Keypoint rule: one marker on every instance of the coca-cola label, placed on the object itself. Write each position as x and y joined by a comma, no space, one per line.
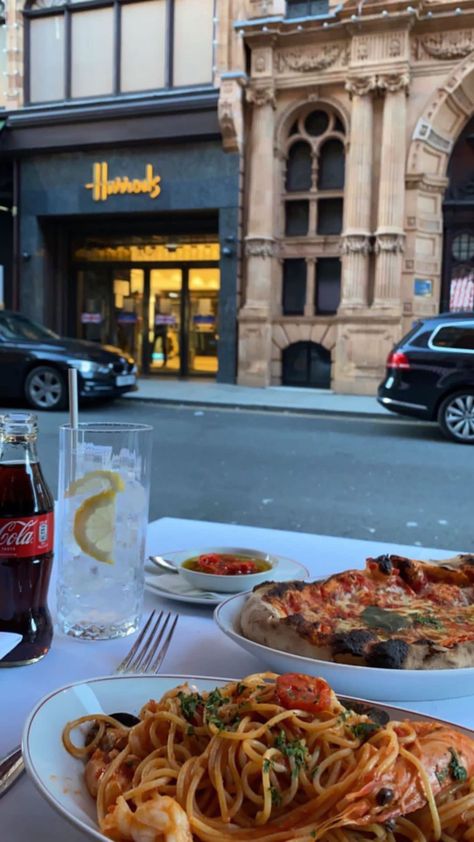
27,536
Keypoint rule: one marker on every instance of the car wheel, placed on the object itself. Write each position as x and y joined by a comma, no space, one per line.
456,417
45,388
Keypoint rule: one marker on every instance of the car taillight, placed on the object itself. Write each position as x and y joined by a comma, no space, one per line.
396,359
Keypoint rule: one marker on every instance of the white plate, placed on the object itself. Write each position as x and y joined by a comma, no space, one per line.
58,776
369,682
287,569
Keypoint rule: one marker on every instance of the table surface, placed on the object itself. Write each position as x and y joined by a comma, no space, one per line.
198,648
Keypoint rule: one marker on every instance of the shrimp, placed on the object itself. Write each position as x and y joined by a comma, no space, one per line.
161,819
446,755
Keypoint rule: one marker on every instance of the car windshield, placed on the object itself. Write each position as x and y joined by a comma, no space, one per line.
14,326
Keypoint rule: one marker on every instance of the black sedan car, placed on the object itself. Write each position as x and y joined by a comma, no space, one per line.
430,374
34,362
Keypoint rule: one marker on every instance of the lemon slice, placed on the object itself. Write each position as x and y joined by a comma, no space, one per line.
94,526
95,481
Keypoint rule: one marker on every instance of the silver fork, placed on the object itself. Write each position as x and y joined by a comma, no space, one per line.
145,656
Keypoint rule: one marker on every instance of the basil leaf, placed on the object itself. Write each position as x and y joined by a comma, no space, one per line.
381,618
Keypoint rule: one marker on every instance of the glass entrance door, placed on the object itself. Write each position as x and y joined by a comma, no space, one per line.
203,296
165,320
111,307
164,316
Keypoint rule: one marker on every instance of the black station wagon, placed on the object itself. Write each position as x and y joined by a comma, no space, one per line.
430,374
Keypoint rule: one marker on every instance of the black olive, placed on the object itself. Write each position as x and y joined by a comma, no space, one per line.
384,796
389,824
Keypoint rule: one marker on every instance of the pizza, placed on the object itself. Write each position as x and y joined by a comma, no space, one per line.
397,613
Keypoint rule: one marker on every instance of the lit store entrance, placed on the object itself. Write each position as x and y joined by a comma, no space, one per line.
164,311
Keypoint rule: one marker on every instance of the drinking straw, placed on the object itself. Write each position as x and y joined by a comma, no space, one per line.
73,420
73,404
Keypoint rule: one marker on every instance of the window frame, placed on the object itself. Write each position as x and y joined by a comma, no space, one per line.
307,14
67,9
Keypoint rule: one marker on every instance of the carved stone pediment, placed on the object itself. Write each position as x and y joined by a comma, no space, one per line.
310,59
444,46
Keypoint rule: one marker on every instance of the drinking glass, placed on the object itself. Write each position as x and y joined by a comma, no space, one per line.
104,490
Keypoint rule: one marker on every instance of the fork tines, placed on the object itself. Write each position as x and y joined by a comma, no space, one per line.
151,645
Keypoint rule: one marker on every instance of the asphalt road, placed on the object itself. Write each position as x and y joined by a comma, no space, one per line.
385,480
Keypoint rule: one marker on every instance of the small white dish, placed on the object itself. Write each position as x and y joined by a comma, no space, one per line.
8,641
59,777
224,584
180,589
371,682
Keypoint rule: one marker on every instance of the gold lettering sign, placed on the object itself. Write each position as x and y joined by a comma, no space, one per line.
102,186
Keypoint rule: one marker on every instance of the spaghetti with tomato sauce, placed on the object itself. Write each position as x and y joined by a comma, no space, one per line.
272,759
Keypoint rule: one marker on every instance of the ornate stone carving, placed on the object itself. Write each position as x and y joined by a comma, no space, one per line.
424,131
260,247
444,46
230,114
355,244
265,8
394,243
361,85
306,61
393,82
261,96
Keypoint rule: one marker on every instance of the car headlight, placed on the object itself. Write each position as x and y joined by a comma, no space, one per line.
88,368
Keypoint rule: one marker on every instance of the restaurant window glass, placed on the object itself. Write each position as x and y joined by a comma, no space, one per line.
113,47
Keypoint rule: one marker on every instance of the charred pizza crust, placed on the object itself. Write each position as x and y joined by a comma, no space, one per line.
398,613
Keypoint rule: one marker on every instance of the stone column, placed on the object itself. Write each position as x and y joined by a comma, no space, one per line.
390,235
260,252
358,196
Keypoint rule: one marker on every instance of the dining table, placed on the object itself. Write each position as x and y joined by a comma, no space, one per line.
198,648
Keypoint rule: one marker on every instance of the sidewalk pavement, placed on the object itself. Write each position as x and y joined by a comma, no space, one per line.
208,393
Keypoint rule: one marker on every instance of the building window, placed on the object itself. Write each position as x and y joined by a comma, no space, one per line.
306,8
328,286
294,287
313,199
87,48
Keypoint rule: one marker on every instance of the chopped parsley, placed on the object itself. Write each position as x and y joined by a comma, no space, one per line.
364,730
267,765
189,704
214,701
458,772
427,620
294,750
313,834
276,796
241,687
345,715
190,731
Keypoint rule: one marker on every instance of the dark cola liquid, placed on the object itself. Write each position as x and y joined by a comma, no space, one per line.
24,581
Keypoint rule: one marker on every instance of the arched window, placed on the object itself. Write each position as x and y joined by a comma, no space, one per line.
312,209
87,48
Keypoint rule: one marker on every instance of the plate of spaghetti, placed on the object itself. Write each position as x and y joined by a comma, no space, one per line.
270,758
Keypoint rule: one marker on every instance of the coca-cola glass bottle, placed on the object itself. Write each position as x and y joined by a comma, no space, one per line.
26,540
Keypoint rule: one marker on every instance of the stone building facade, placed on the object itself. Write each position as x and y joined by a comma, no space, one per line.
347,121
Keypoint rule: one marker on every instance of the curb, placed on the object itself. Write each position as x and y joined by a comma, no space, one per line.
282,410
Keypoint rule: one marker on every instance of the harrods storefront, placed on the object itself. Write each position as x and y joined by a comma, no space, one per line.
134,246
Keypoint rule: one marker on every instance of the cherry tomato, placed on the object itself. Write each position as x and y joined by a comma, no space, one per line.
296,691
225,565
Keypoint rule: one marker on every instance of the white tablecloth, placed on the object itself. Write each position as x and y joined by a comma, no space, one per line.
198,648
